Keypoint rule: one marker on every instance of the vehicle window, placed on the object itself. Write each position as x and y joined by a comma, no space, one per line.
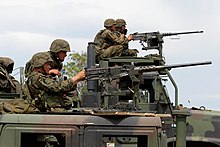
14,135
42,140
125,141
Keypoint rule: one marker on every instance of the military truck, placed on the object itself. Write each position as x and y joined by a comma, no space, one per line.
126,105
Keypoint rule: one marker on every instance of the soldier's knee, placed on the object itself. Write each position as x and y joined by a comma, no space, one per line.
133,52
119,48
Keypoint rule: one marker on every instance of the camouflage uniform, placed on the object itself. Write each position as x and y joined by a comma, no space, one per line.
8,84
118,32
46,92
56,63
49,93
107,43
56,46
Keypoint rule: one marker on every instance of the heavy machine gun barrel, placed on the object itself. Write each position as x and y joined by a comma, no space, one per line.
154,40
148,35
181,33
154,68
109,73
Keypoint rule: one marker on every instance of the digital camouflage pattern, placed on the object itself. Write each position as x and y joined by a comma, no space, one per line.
8,84
45,91
55,64
59,45
126,50
120,23
55,47
137,112
49,93
8,63
119,31
39,59
109,22
108,44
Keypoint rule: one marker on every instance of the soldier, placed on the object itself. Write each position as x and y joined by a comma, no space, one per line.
121,26
107,43
49,94
121,29
58,52
8,84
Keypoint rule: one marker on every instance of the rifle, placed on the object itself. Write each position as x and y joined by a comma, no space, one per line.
154,40
110,73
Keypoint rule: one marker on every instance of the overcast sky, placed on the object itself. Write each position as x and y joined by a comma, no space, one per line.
29,26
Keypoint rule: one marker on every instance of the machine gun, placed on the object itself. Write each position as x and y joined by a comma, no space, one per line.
125,81
111,73
154,40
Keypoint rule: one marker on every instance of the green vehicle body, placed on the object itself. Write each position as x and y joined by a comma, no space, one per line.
126,105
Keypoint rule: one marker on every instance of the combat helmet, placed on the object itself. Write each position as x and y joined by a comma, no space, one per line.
109,22
120,23
59,45
39,59
7,63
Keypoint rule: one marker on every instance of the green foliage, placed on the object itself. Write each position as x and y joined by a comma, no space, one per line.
76,63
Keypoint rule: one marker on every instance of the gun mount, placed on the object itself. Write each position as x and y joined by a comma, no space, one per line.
131,81
154,40
122,89
127,105
135,85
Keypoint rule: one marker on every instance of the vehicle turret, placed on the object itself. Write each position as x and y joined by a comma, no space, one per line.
136,85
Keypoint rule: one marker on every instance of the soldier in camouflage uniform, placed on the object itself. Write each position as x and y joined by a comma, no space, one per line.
58,52
121,29
8,84
107,43
47,93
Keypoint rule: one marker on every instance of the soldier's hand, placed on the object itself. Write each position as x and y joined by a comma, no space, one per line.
55,72
122,36
80,76
130,37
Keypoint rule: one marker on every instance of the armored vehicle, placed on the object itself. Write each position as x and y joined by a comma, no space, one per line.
126,105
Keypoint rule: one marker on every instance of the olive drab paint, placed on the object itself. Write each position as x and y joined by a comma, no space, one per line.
126,105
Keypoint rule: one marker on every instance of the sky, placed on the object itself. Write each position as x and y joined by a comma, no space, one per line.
29,26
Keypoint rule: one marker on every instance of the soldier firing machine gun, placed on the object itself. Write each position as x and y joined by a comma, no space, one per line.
154,40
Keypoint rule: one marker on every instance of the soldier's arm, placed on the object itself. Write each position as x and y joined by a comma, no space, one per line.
49,84
55,72
114,38
79,77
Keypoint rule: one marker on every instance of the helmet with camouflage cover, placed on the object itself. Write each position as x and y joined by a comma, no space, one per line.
109,22
39,59
120,23
8,63
59,45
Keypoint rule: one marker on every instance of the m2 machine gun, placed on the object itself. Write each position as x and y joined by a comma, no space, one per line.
154,40
126,105
120,87
134,74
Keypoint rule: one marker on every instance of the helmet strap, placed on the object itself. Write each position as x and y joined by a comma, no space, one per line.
55,56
